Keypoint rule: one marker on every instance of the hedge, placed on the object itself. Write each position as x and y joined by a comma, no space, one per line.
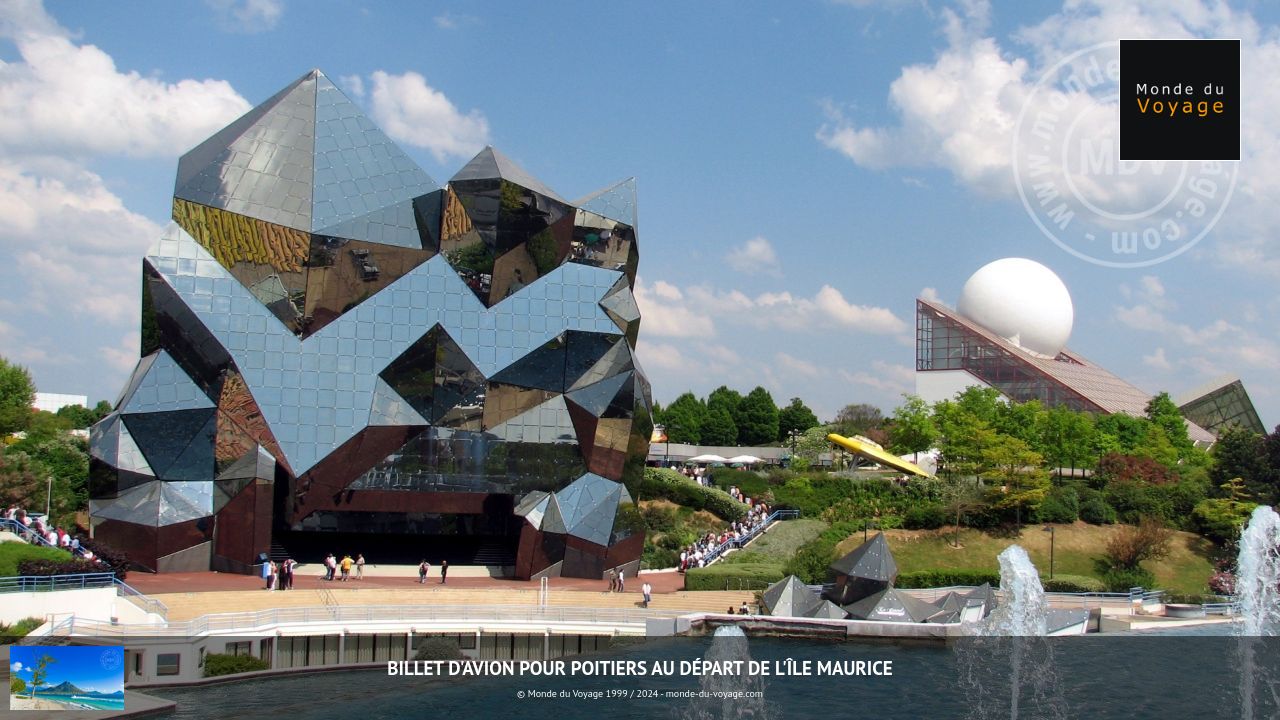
735,576
946,578
751,484
13,553
671,485
216,664
46,568
925,517
115,560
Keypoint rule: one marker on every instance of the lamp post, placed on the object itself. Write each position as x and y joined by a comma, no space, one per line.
1052,536
48,499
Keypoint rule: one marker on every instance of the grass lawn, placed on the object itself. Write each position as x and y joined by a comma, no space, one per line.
1185,570
780,543
12,553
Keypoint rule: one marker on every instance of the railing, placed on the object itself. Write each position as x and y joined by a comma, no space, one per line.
735,543
250,621
148,604
34,538
64,628
1230,609
49,583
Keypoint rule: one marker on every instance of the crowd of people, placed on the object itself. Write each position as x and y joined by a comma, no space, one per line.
38,530
697,474
705,548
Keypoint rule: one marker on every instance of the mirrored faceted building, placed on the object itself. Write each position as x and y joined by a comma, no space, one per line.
339,354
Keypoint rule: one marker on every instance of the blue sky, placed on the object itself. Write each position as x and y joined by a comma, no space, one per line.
92,669
805,169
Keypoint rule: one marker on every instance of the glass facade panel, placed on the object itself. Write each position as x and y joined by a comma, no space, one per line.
393,355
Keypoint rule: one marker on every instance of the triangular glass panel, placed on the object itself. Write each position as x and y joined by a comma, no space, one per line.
541,368
503,402
262,168
195,462
344,273
597,397
616,202
164,386
359,171
389,408
489,164
546,423
163,437
617,360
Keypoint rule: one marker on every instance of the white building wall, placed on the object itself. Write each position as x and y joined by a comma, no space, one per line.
935,385
100,604
53,402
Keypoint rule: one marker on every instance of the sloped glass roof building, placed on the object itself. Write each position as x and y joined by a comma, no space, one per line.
334,346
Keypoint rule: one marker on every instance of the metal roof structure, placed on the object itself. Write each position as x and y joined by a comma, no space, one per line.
946,340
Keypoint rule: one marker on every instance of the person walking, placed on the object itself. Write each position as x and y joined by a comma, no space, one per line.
613,580
360,566
330,565
287,573
274,582
347,562
622,580
444,571
647,591
424,567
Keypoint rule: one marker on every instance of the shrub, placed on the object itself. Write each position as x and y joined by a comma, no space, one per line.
1134,501
1060,505
438,648
17,685
659,558
1073,584
216,664
1128,547
946,578
11,634
925,517
1120,580
46,568
1221,519
671,485
113,558
735,576
752,484
1095,510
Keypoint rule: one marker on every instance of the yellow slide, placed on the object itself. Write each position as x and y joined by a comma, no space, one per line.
875,454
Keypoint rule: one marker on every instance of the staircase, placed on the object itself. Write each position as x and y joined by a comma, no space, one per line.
494,554
277,552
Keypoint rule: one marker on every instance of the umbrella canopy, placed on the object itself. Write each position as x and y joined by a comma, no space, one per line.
745,459
708,459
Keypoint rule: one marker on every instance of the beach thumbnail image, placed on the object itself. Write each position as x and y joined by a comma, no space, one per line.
66,678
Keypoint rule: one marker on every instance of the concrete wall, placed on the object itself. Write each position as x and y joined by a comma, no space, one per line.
100,604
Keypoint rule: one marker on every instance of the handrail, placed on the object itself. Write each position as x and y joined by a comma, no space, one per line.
49,583
248,621
734,543
148,604
62,628
29,535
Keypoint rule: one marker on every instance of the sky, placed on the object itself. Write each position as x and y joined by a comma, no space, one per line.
805,169
92,669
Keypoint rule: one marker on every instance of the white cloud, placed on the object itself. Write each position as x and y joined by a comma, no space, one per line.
661,356
888,378
64,99
958,111
453,21
247,16
930,294
414,113
828,306
755,256
1157,361
15,667
664,315
353,85
795,365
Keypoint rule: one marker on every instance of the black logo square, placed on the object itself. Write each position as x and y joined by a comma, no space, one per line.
1180,99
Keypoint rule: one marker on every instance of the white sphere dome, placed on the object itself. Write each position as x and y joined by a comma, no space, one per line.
1021,301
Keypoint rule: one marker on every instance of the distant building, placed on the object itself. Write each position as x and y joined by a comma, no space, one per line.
1009,332
1221,403
53,402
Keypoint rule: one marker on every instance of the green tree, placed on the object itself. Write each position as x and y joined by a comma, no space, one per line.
40,672
718,428
78,416
795,417
912,429
1017,467
857,419
757,418
684,418
1066,438
983,403
1241,453
16,685
17,395
722,398
1020,420
1162,411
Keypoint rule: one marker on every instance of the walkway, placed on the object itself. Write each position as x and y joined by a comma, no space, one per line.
190,595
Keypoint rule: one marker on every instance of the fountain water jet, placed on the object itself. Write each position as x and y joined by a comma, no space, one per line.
729,696
1258,592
